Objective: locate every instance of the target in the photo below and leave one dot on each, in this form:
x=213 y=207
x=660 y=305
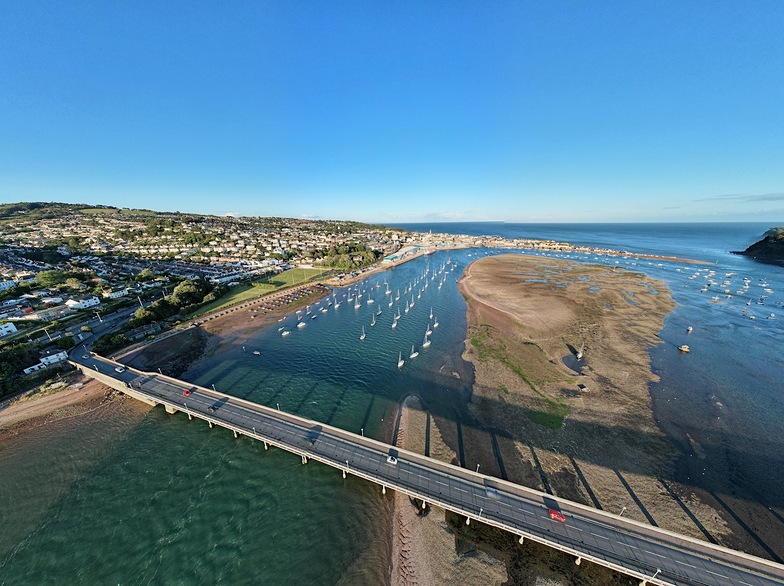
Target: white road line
x=657 y=555
x=715 y=574
x=684 y=564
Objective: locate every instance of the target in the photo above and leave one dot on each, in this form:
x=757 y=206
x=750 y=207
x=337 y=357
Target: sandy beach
x=528 y=318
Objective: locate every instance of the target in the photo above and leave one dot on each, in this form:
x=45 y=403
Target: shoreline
x=527 y=318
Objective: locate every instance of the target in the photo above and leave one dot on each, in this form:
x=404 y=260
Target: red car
x=557 y=516
x=187 y=393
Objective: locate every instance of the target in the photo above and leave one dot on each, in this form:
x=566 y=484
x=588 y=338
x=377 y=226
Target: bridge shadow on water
x=446 y=396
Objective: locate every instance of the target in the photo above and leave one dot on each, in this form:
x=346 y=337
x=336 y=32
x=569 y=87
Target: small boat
x=256 y=353
x=435 y=324
x=400 y=361
x=373 y=321
x=314 y=316
x=324 y=310
x=414 y=353
x=431 y=313
x=426 y=342
x=280 y=329
x=684 y=348
x=394 y=324
x=362 y=336
x=407 y=307
x=390 y=304
x=301 y=324
x=379 y=311
x=370 y=301
x=357 y=305
x=307 y=310
x=428 y=331
x=689 y=329
x=285 y=333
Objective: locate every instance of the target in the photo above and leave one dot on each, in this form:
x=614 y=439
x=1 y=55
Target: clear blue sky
x=398 y=111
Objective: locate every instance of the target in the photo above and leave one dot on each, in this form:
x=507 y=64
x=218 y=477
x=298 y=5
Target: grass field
x=266 y=285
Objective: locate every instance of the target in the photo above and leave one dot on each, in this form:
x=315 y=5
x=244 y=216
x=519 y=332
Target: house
x=7 y=285
x=83 y=302
x=115 y=293
x=7 y=329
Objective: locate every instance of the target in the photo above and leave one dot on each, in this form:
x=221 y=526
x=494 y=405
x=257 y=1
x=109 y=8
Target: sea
x=128 y=495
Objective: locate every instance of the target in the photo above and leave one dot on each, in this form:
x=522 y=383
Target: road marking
x=684 y=564
x=715 y=574
x=658 y=555
x=600 y=536
x=627 y=545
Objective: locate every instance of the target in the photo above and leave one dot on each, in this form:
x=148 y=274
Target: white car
x=391 y=460
x=119 y=369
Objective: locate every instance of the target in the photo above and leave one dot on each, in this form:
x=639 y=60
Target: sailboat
x=394 y=324
x=431 y=313
x=400 y=361
x=362 y=336
x=414 y=353
x=357 y=304
x=387 y=292
x=373 y=321
x=397 y=297
x=307 y=310
x=370 y=300
x=435 y=323
x=428 y=331
x=379 y=311
x=426 y=342
x=397 y=317
x=407 y=307
x=390 y=303
x=301 y=324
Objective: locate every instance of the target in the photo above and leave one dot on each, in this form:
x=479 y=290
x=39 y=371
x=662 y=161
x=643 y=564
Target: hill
x=770 y=249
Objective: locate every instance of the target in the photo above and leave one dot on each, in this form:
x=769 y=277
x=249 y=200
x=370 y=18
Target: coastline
x=527 y=319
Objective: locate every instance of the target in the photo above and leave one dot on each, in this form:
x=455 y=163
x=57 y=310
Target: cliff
x=770 y=249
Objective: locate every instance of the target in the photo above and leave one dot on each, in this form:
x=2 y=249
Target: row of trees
x=186 y=297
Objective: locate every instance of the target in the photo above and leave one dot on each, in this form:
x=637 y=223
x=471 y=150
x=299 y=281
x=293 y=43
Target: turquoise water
x=172 y=501
x=144 y=497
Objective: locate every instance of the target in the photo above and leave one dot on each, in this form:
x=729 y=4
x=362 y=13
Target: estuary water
x=143 y=497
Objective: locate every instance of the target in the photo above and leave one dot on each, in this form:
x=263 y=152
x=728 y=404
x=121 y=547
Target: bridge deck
x=621 y=544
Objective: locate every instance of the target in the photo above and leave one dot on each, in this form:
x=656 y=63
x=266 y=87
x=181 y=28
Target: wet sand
x=528 y=317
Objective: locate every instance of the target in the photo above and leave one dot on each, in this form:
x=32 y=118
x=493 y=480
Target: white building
x=116 y=293
x=54 y=357
x=6 y=329
x=83 y=303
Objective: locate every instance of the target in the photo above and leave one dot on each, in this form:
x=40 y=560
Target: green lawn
x=269 y=284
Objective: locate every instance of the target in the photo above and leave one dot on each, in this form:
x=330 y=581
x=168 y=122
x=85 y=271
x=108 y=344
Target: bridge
x=653 y=555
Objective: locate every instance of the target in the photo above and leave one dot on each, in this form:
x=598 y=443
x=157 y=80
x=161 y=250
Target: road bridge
x=653 y=555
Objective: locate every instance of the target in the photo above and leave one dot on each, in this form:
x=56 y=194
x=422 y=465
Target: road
x=622 y=544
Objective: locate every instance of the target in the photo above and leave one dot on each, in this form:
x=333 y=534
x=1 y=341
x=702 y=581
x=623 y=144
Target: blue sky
x=398 y=111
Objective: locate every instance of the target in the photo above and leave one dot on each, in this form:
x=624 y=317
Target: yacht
x=426 y=342
x=362 y=336
x=435 y=323
x=400 y=361
x=414 y=353
x=373 y=321
x=683 y=348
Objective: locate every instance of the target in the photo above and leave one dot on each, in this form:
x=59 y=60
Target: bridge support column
x=190 y=417
x=236 y=435
x=170 y=410
x=344 y=473
x=304 y=459
x=266 y=446
x=383 y=489
x=520 y=541
x=468 y=520
x=424 y=504
x=578 y=561
x=210 y=422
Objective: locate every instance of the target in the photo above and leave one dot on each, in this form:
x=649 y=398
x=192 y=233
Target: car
x=556 y=515
x=186 y=393
x=213 y=408
x=391 y=460
x=119 y=369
